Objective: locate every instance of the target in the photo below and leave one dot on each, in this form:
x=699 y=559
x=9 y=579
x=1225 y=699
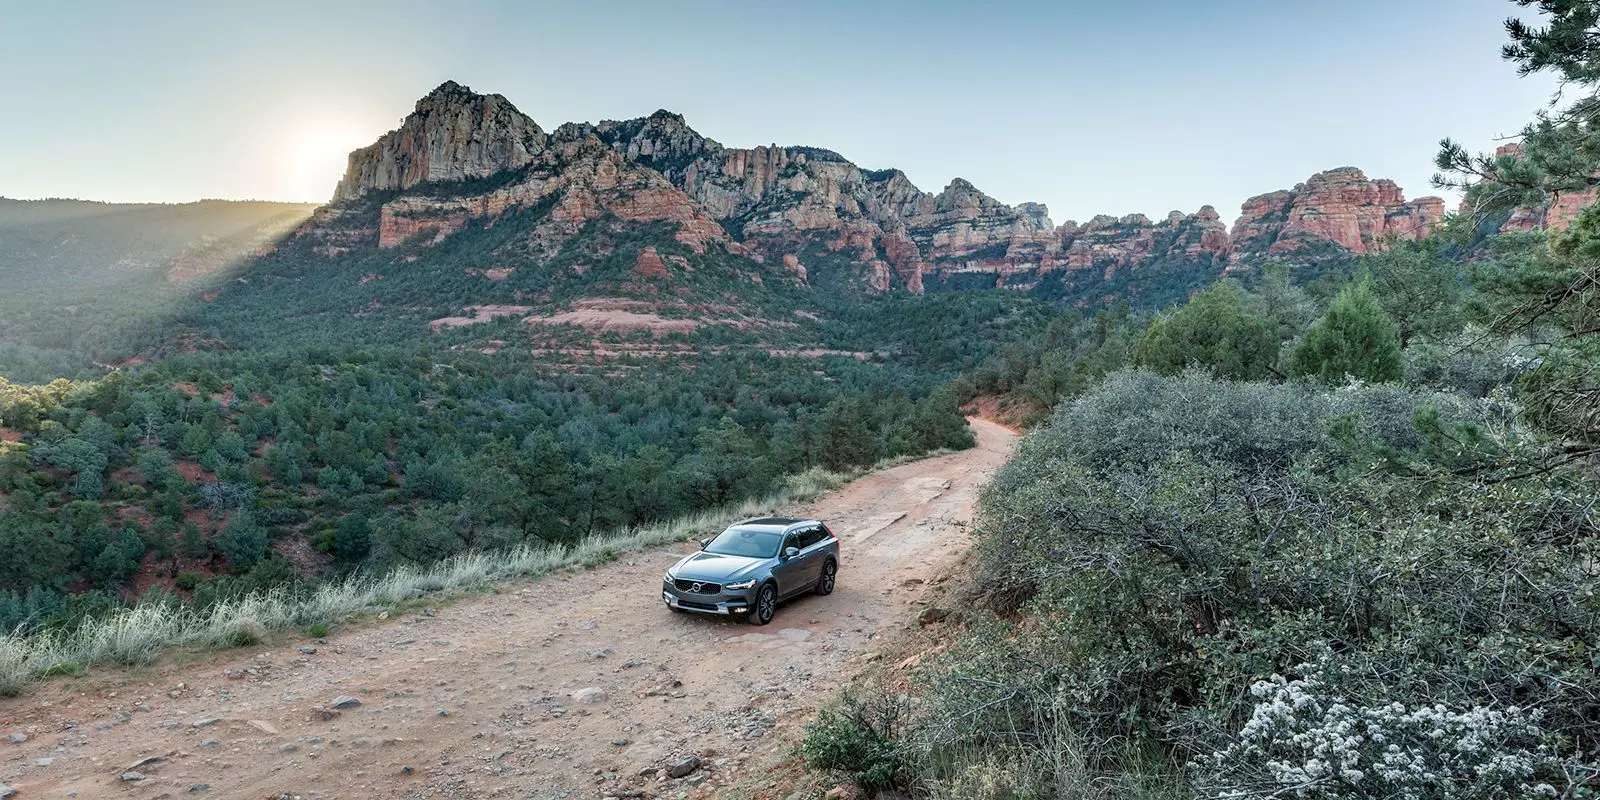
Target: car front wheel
x=766 y=605
x=830 y=572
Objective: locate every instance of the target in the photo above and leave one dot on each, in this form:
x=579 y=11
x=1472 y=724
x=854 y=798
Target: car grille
x=697 y=587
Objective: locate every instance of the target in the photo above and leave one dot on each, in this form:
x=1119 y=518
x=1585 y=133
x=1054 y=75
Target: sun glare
x=317 y=157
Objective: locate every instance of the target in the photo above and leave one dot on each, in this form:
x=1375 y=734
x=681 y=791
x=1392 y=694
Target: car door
x=795 y=574
x=812 y=553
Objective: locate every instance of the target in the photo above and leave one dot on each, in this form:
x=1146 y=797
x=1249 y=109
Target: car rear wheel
x=830 y=572
x=766 y=605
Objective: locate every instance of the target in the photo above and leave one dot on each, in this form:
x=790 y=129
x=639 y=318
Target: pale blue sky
x=1091 y=107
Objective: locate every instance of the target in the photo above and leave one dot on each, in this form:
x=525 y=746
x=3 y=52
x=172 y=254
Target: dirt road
x=579 y=685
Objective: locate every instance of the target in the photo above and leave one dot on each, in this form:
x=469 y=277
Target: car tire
x=766 y=605
x=830 y=575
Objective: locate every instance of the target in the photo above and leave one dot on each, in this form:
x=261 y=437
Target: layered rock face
x=453 y=135
x=1108 y=244
x=789 y=200
x=805 y=207
x=1339 y=207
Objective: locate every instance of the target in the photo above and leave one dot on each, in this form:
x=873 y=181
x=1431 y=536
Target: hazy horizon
x=1088 y=110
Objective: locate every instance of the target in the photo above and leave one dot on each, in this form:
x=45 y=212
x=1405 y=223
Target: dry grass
x=137 y=635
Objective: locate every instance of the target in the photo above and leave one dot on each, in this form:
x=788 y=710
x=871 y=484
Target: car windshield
x=745 y=542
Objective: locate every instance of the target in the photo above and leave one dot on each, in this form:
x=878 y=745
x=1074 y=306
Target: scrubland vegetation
x=137 y=634
x=1337 y=540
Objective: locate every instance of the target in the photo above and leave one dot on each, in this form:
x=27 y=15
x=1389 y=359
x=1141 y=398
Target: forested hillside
x=218 y=473
x=1335 y=540
x=92 y=282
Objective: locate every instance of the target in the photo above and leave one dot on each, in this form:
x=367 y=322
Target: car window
x=795 y=540
x=805 y=537
x=818 y=535
x=745 y=542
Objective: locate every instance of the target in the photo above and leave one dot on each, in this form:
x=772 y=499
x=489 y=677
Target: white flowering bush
x=1304 y=741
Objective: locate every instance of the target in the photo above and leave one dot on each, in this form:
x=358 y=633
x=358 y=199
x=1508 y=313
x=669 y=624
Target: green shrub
x=1213 y=332
x=1177 y=541
x=243 y=542
x=862 y=739
x=1355 y=339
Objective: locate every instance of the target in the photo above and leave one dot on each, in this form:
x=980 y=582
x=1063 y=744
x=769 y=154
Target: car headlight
x=739 y=585
x=669 y=577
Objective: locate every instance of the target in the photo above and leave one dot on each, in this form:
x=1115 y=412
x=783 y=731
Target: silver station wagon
x=750 y=567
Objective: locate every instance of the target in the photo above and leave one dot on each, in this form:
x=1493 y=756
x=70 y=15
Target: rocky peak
x=962 y=196
x=662 y=140
x=1036 y=213
x=1341 y=207
x=445 y=94
x=454 y=134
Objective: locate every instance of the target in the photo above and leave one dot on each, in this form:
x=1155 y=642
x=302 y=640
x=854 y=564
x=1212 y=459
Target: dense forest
x=216 y=473
x=1326 y=539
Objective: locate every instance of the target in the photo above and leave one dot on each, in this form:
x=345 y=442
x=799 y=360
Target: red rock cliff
x=802 y=207
x=1339 y=207
x=454 y=134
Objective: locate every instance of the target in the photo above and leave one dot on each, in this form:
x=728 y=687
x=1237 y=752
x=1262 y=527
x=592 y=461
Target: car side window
x=796 y=539
x=809 y=536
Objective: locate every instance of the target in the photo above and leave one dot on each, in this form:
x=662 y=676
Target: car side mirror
x=790 y=552
x=704 y=543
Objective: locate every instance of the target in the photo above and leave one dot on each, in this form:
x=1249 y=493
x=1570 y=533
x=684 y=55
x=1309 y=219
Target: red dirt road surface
x=577 y=685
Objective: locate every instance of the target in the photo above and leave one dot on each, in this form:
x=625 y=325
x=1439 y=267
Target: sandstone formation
x=790 y=200
x=807 y=208
x=649 y=266
x=1340 y=207
x=454 y=134
x=1107 y=244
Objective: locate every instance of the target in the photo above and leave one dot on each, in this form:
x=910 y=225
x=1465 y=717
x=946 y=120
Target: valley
x=371 y=497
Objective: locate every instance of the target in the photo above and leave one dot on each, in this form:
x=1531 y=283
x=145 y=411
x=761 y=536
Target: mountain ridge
x=807 y=206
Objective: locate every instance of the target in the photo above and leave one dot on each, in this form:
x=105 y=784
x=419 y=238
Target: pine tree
x=1212 y=331
x=1355 y=339
x=1419 y=288
x=847 y=437
x=352 y=540
x=1558 y=154
x=243 y=542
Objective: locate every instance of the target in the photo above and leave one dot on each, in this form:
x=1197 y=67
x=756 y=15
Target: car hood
x=716 y=567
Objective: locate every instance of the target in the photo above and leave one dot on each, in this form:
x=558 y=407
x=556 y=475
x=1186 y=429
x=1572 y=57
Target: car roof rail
x=776 y=522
